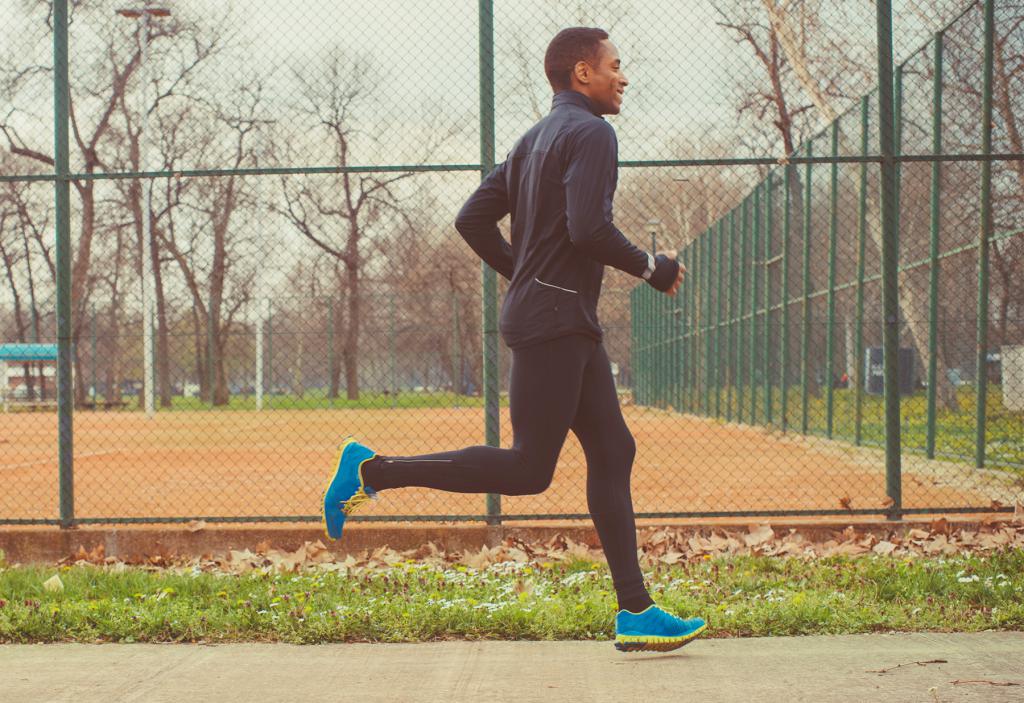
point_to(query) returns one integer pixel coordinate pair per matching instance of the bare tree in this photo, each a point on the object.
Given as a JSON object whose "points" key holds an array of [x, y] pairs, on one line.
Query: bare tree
{"points": [[1008, 101], [338, 213], [93, 106], [24, 249], [216, 274]]}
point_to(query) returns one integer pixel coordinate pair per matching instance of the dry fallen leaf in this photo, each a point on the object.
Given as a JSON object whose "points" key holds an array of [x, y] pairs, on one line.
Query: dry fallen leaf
{"points": [[54, 584], [196, 525], [672, 558], [758, 534], [884, 547]]}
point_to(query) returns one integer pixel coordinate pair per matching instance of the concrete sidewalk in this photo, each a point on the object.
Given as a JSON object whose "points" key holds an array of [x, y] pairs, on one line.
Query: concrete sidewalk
{"points": [[784, 669]]}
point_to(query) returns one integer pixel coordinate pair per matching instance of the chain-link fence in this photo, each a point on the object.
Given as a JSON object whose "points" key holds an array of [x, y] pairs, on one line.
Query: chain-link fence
{"points": [[227, 239]]}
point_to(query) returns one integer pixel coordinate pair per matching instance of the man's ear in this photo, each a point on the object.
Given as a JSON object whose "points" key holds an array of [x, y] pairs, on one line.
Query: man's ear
{"points": [[582, 72]]}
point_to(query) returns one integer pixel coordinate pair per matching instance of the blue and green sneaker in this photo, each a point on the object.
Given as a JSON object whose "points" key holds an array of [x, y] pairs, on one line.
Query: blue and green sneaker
{"points": [[346, 491], [654, 630]]}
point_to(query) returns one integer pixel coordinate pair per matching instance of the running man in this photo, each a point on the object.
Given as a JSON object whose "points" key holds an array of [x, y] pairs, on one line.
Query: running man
{"points": [[557, 184]]}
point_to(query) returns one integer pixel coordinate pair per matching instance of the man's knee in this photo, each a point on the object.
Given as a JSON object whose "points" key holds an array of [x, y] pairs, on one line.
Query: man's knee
{"points": [[537, 481], [535, 475]]}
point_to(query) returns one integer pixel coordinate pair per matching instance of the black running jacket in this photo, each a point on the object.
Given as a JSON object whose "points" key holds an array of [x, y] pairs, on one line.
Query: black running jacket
{"points": [[557, 182]]}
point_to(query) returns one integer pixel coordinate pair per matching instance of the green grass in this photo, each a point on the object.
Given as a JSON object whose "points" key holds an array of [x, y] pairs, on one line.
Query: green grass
{"points": [[955, 433], [414, 601], [317, 399]]}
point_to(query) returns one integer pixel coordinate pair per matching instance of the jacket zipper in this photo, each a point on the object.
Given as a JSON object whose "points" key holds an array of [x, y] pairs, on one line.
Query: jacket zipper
{"points": [[554, 286], [416, 461]]}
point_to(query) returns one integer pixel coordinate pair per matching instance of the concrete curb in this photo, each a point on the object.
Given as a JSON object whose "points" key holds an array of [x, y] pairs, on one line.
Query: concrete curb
{"points": [[27, 545]]}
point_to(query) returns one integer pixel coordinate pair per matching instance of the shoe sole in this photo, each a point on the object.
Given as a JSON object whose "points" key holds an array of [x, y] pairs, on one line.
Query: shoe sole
{"points": [[654, 643], [323, 500]]}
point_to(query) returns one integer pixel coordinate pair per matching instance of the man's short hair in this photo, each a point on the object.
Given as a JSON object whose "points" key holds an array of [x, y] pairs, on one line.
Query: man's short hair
{"points": [[570, 46]]}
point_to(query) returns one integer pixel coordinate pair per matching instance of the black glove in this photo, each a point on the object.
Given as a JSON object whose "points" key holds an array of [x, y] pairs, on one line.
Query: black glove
{"points": [[666, 271]]}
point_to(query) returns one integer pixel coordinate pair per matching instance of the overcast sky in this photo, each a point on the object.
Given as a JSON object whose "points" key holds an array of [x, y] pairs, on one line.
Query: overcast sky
{"points": [[682, 66]]}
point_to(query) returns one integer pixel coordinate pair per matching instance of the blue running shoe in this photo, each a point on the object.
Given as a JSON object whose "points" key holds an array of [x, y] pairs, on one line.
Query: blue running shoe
{"points": [[654, 630], [346, 491]]}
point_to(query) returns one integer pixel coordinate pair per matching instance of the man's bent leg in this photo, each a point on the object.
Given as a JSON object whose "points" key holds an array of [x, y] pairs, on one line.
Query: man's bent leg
{"points": [[609, 448], [544, 392]]}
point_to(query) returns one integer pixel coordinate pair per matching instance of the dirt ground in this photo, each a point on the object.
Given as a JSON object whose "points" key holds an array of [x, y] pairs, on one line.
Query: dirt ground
{"points": [[236, 463]]}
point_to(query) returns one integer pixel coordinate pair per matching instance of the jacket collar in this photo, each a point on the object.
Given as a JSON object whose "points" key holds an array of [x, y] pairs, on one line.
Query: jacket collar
{"points": [[573, 97]]}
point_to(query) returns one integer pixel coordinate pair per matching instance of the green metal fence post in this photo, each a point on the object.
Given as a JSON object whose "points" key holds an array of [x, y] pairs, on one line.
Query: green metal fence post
{"points": [[784, 343], [862, 228], [641, 352], [645, 346], [492, 400], [702, 327], [676, 357], [709, 325], [898, 145], [457, 352], [632, 341], [730, 354], [766, 369], [62, 203], [830, 325], [664, 331], [890, 261], [755, 289], [684, 342], [984, 236], [805, 334], [393, 385], [655, 341], [933, 258], [692, 314], [742, 308], [719, 319]]}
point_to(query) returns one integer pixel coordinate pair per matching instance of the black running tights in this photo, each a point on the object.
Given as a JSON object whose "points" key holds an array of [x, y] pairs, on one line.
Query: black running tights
{"points": [[562, 384]]}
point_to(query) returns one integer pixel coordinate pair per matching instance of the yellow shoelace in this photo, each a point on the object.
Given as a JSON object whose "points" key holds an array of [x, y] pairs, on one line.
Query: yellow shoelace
{"points": [[355, 501]]}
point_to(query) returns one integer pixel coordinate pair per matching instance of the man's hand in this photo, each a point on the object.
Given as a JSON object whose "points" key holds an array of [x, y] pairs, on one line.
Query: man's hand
{"points": [[672, 254]]}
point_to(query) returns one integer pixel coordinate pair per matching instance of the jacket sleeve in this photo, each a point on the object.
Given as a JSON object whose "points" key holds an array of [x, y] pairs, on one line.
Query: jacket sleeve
{"points": [[478, 219], [590, 177]]}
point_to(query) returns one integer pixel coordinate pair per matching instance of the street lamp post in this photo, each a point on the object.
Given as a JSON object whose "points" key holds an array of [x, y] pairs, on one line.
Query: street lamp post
{"points": [[148, 292]]}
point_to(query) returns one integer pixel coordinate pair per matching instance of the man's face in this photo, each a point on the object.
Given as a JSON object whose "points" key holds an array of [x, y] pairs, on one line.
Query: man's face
{"points": [[605, 81]]}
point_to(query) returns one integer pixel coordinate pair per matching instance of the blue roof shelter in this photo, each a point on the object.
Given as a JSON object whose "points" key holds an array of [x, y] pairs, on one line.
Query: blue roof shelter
{"points": [[19, 352]]}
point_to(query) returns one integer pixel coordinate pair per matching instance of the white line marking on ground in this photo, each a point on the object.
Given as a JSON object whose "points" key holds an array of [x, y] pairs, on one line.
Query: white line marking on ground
{"points": [[54, 460]]}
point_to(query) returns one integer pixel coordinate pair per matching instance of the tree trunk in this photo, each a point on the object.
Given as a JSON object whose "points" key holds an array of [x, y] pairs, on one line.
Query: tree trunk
{"points": [[113, 375], [298, 387], [334, 368], [351, 345], [80, 278], [221, 394], [198, 344], [163, 361]]}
